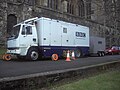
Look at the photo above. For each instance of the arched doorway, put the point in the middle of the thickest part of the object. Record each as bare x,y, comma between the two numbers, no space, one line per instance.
11,21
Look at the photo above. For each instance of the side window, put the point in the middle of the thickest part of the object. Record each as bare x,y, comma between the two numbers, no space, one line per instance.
23,30
64,30
28,30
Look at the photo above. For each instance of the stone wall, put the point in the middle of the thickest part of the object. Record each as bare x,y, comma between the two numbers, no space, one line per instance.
3,18
24,9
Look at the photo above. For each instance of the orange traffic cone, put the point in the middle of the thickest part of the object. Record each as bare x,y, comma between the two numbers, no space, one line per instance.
7,57
73,55
68,56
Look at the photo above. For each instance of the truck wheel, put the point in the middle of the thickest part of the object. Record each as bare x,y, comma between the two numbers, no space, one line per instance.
33,54
78,53
103,54
99,54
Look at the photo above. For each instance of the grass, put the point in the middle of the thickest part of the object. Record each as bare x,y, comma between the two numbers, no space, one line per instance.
106,81
2,50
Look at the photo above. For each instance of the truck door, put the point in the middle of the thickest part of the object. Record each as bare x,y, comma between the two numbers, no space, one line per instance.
28,37
65,39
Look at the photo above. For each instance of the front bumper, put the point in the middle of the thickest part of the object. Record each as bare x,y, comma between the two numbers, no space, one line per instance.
14,51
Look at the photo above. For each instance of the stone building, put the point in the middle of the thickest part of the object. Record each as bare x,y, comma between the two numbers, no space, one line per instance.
100,15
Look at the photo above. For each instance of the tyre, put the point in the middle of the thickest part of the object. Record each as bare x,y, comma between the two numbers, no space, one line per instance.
78,53
32,54
103,54
99,54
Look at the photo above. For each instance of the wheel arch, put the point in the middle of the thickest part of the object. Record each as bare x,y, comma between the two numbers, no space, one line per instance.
78,52
32,47
35,51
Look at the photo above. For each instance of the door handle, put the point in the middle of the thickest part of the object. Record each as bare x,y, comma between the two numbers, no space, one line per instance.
34,39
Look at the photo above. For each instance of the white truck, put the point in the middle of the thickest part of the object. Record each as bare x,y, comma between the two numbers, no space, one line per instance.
45,37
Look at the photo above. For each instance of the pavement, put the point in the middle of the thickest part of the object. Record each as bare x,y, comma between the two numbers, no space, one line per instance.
15,68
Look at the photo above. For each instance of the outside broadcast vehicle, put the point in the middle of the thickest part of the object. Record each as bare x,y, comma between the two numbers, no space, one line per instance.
45,37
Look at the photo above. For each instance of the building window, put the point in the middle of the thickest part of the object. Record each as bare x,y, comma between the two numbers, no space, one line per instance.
27,30
53,4
29,2
70,8
81,8
88,10
64,6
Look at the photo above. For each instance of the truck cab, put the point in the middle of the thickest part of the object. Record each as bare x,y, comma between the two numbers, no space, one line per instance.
23,37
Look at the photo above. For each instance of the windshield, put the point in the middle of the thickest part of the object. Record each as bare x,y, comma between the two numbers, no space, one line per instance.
15,31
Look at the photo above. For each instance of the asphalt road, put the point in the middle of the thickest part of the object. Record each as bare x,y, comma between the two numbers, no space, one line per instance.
20,67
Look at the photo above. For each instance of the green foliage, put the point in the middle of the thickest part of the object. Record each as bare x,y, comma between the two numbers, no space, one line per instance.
2,50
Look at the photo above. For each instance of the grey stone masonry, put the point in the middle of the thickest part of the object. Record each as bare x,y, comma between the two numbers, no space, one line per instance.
92,13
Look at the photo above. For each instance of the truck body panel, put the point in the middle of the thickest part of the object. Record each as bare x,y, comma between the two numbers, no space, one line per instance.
97,45
59,33
56,36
